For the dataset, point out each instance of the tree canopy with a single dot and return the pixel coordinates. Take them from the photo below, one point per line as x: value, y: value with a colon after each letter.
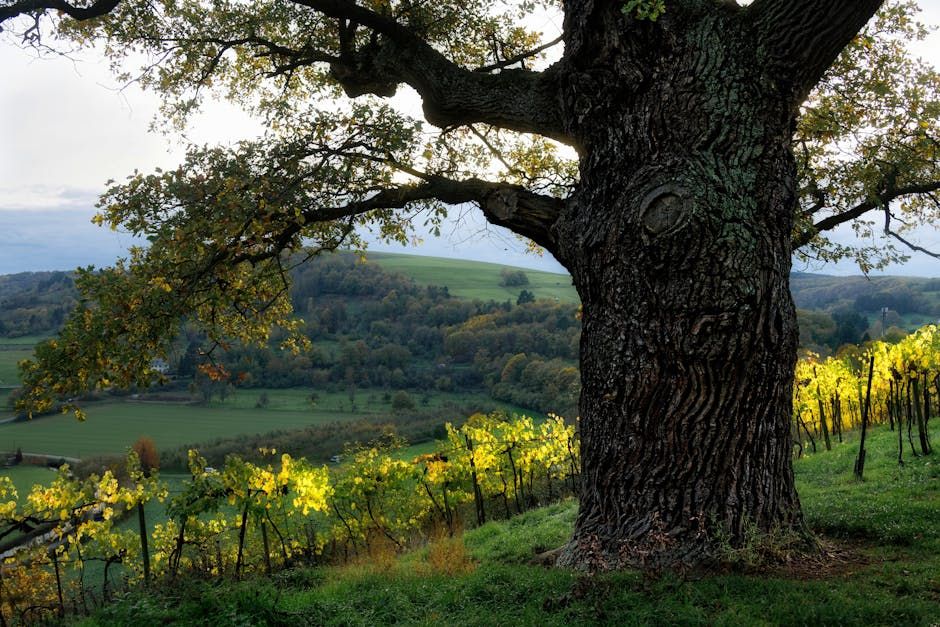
x: 340, y: 157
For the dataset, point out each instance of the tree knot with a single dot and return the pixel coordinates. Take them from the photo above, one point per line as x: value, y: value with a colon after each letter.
x: 502, y: 203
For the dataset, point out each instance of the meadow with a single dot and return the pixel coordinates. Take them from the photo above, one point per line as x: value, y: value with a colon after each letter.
x: 12, y: 351
x: 475, y: 279
x: 113, y: 425
x: 878, y: 563
x: 10, y: 355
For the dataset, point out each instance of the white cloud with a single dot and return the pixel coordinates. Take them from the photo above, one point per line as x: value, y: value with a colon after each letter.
x: 41, y: 197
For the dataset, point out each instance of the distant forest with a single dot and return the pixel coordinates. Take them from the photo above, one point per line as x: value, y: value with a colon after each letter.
x: 372, y: 328
x: 35, y: 303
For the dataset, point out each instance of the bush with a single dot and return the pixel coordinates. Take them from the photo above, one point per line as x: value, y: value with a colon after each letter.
x: 402, y: 401
x: 147, y: 452
x: 512, y: 278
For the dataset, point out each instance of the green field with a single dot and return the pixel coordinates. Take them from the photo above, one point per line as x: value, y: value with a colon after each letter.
x: 475, y: 279
x: 24, y: 477
x: 12, y: 351
x: 112, y: 426
x: 10, y: 355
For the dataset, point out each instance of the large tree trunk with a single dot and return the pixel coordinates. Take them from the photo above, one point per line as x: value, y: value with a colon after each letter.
x: 679, y: 245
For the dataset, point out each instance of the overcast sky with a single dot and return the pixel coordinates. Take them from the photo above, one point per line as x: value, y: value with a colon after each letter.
x: 68, y: 129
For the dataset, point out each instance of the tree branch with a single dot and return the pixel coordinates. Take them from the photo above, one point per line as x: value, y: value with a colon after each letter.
x: 522, y: 56
x: 97, y: 9
x: 512, y: 206
x: 909, y: 244
x: 519, y: 100
x: 802, y: 38
x: 885, y: 199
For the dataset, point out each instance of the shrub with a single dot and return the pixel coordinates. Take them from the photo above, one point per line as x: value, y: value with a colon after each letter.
x: 513, y: 278
x: 147, y: 452
x: 402, y: 401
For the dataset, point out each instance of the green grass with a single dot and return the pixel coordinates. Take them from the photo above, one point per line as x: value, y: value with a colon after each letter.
x: 24, y: 477
x: 12, y: 351
x: 889, y: 572
x: 112, y: 427
x: 27, y: 341
x: 475, y: 279
x: 897, y: 505
x: 10, y: 355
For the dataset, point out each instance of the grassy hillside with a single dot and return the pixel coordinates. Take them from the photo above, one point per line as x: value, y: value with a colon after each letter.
x: 879, y: 565
x: 475, y: 279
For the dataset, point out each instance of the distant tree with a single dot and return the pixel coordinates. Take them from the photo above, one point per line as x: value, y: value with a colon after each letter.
x: 893, y: 335
x: 933, y: 285
x: 402, y: 401
x: 189, y: 360
x: 902, y: 299
x: 525, y: 296
x: 512, y: 278
x: 816, y: 329
x: 147, y: 452
x: 849, y: 327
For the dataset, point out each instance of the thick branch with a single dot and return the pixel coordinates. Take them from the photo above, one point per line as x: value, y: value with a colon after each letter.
x: 97, y: 9
x: 514, y: 207
x: 800, y: 39
x: 872, y: 204
x: 518, y: 100
x: 529, y: 214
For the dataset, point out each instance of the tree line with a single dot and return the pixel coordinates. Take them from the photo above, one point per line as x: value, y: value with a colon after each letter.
x: 372, y: 328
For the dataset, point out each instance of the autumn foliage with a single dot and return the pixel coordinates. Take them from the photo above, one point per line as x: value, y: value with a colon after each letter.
x: 147, y: 453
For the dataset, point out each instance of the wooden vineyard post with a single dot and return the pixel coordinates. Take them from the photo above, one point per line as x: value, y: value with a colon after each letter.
x: 860, y: 462
x: 241, y: 541
x: 267, y: 550
x: 144, y: 549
